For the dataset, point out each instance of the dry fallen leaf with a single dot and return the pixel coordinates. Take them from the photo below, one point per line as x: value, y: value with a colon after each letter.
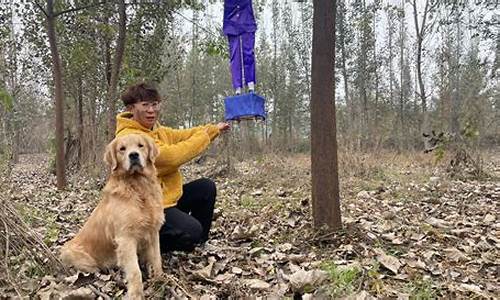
x: 256, y: 284
x: 455, y: 255
x: 206, y: 272
x: 301, y: 278
x: 82, y: 293
x: 388, y: 261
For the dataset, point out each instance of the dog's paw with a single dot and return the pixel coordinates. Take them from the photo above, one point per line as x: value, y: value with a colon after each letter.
x: 158, y: 273
x: 155, y: 271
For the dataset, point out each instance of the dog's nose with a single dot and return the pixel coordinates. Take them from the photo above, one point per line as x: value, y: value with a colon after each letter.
x: 133, y: 156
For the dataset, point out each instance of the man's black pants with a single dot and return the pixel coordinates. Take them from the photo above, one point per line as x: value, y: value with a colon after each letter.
x: 189, y: 222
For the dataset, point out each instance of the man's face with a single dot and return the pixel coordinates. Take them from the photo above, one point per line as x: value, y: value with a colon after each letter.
x: 145, y: 112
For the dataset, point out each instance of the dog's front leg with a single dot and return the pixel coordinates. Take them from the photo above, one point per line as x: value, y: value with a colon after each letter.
x: 154, y: 255
x: 128, y: 261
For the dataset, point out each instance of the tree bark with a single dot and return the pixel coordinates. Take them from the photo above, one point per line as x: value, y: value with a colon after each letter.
x: 391, y: 56
x: 275, y: 88
x: 115, y: 70
x: 420, y: 32
x: 375, y: 128
x: 401, y: 87
x: 325, y: 182
x: 349, y: 102
x: 59, y: 95
x: 80, y: 127
x: 455, y: 106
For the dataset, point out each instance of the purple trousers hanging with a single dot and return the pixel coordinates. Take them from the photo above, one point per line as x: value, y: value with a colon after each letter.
x: 239, y: 45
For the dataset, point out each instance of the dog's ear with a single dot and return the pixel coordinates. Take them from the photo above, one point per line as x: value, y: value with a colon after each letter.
x: 152, y: 148
x: 110, y: 156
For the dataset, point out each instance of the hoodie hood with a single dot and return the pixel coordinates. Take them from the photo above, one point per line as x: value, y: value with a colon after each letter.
x: 124, y: 121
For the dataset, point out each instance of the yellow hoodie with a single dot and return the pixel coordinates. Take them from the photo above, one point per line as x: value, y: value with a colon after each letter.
x: 177, y: 146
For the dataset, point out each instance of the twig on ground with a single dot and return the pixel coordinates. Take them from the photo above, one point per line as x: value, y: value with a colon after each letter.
x: 6, y: 261
x: 99, y: 293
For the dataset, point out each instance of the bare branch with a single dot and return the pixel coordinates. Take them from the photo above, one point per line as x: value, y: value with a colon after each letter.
x: 79, y: 8
x: 41, y: 8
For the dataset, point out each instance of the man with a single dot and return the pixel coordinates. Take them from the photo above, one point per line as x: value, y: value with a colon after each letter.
x: 188, y: 207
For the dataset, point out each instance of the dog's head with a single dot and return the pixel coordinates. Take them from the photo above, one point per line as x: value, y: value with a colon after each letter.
x: 131, y: 154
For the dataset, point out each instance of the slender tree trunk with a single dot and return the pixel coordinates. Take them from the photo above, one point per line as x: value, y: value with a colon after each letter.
x: 59, y: 95
x: 115, y: 70
x: 455, y: 106
x: 391, y: 57
x: 15, y: 119
x: 79, y: 123
x: 179, y: 119
x: 275, y: 88
x: 93, y: 128
x: 342, y: 44
x: 325, y: 182
x: 364, y: 92
x: 375, y: 128
x: 420, y: 33
x: 194, y: 65
x: 401, y: 89
x: 304, y: 59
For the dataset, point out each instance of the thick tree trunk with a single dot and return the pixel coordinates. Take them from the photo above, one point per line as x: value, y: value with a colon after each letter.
x: 59, y: 96
x: 115, y: 71
x: 325, y: 182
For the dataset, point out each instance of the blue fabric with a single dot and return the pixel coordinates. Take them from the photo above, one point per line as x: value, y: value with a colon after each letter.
x: 249, y: 105
x: 242, y: 44
x: 238, y: 17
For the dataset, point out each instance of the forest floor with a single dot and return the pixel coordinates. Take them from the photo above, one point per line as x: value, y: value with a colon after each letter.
x: 409, y: 231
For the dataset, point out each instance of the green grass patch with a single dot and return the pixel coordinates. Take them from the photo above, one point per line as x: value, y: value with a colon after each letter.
x: 250, y: 203
x: 422, y: 289
x: 343, y: 280
x: 36, y: 217
x: 375, y: 282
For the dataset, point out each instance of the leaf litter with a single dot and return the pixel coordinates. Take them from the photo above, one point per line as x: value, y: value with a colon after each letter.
x: 406, y: 234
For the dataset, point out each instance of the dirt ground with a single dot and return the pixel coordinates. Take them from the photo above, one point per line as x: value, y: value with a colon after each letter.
x: 410, y: 230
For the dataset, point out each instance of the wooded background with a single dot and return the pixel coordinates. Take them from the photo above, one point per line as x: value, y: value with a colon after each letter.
x: 402, y: 68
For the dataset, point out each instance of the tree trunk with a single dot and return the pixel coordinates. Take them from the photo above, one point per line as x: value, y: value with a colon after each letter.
x: 391, y: 56
x: 349, y: 102
x: 420, y: 32
x: 93, y: 128
x: 325, y: 182
x: 375, y: 128
x: 194, y: 65
x: 305, y: 55
x: 79, y: 123
x: 401, y: 87
x: 455, y: 106
x: 59, y: 95
x: 115, y: 70
x: 275, y: 88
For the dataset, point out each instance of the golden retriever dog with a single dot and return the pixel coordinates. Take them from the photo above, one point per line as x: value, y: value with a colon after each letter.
x: 124, y: 226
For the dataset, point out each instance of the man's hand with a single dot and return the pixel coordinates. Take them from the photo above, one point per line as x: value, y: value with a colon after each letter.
x: 223, y: 126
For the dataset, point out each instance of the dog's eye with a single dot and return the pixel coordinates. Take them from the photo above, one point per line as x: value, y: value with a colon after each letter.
x: 122, y: 148
x: 141, y: 145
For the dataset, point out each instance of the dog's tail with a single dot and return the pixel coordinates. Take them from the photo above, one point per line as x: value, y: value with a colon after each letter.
x: 76, y: 256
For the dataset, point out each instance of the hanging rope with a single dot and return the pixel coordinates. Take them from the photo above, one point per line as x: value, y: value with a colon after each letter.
x: 198, y: 25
